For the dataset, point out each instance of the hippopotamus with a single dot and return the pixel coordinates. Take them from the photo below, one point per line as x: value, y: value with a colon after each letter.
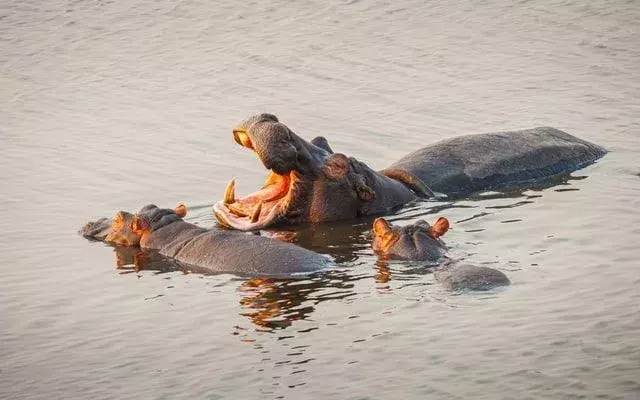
x: 216, y: 250
x: 308, y: 182
x: 421, y: 242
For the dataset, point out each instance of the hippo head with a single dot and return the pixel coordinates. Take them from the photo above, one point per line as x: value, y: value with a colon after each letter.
x: 307, y: 181
x: 128, y: 229
x: 418, y: 241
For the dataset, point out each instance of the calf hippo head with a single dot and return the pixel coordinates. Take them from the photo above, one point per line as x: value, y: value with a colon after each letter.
x: 307, y: 182
x: 418, y: 241
x: 128, y: 229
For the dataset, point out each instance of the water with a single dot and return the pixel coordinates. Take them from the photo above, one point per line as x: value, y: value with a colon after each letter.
x: 111, y: 105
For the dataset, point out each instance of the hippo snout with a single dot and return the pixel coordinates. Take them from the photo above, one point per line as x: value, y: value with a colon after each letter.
x: 97, y: 229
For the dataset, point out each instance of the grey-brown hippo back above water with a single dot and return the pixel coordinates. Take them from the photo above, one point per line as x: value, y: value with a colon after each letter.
x: 308, y: 182
x: 212, y: 250
x: 421, y: 242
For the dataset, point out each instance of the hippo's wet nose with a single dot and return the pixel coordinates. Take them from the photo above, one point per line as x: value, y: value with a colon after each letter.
x: 242, y: 139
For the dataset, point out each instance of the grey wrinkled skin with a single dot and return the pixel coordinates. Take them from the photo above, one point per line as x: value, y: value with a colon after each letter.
x: 472, y: 163
x: 216, y: 250
x: 470, y: 277
x: 97, y: 230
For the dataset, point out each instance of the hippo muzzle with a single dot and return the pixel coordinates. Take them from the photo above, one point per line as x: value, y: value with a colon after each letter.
x: 291, y: 162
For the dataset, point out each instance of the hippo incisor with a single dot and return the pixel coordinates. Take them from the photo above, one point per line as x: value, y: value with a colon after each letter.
x: 308, y: 182
x: 420, y: 241
x: 214, y: 250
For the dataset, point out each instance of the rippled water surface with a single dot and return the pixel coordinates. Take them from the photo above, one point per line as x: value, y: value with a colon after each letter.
x: 111, y: 105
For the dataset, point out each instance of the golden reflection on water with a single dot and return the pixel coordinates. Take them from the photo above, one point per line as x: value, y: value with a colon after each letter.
x: 272, y: 304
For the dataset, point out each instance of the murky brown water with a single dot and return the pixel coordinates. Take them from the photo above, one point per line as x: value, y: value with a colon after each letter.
x: 108, y: 105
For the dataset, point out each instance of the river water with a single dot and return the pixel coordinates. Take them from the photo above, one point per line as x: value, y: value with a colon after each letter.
x: 110, y: 105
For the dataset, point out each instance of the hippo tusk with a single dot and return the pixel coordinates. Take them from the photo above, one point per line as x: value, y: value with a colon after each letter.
x: 256, y: 212
x: 236, y: 210
x: 229, y: 192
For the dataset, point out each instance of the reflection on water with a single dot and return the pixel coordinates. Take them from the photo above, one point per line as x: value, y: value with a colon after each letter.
x: 270, y: 304
x: 344, y: 241
x: 133, y: 259
x: 275, y: 304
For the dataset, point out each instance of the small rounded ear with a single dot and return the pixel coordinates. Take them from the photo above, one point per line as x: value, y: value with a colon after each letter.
x: 118, y: 218
x: 337, y: 166
x: 322, y: 142
x: 138, y: 225
x: 381, y: 227
x: 441, y: 226
x: 181, y: 210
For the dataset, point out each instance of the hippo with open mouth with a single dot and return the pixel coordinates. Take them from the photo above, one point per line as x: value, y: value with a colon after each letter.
x: 421, y: 242
x: 215, y: 250
x: 308, y: 182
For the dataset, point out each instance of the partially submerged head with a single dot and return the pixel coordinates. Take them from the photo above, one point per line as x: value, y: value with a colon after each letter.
x: 129, y: 229
x: 418, y: 241
x: 307, y: 182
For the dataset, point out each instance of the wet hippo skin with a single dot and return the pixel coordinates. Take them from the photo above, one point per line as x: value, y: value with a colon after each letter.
x: 308, y: 182
x: 421, y: 241
x: 215, y: 250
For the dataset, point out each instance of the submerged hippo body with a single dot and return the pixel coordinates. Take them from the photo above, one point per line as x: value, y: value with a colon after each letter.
x: 472, y: 163
x: 310, y: 183
x: 215, y: 250
x: 420, y: 242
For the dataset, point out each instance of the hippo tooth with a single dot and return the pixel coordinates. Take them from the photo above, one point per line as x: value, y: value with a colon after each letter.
x: 256, y: 212
x: 229, y: 192
x: 236, y: 210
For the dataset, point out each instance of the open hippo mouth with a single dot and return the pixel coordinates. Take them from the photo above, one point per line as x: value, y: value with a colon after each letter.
x: 277, y: 150
x: 261, y: 208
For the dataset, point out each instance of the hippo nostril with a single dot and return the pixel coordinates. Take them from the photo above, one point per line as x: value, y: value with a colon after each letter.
x: 242, y: 139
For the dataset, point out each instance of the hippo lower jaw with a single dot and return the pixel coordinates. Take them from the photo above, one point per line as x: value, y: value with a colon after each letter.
x: 262, y: 208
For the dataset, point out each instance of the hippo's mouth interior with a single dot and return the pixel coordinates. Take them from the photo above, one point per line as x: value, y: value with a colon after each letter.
x: 260, y: 208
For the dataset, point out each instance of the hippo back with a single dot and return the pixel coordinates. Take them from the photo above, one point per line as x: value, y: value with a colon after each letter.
x: 471, y: 277
x: 170, y: 239
x: 471, y: 163
x: 249, y: 255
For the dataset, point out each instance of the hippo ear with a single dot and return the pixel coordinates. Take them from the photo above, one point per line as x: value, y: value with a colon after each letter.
x: 322, y: 142
x: 138, y: 225
x: 118, y: 218
x: 441, y: 226
x: 381, y: 227
x: 181, y: 210
x: 337, y: 166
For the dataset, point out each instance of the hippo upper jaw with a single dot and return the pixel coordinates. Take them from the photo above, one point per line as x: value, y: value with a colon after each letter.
x: 293, y: 163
